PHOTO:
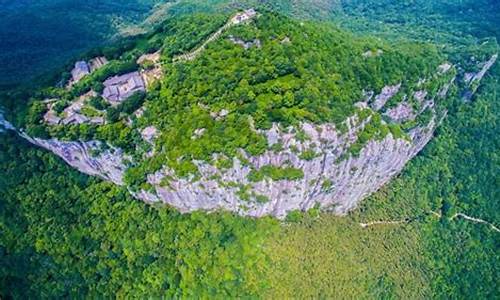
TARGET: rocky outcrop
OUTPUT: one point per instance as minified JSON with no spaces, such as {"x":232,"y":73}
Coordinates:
{"x":401,"y":113}
{"x":472,"y":80}
{"x":486,"y":66}
{"x":93,"y":158}
{"x":4,"y":124}
{"x":332,"y":180}
{"x":87,"y":157}
{"x":387,"y":93}
{"x":246,"y":45}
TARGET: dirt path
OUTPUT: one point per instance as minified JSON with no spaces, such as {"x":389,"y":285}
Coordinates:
{"x":437,"y":214}
{"x":475,"y":220}
{"x":365,"y":225}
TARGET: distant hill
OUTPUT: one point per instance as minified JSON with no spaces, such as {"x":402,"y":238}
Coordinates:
{"x":39,"y":35}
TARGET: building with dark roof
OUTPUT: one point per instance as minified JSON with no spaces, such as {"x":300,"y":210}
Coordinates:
{"x":119,"y":88}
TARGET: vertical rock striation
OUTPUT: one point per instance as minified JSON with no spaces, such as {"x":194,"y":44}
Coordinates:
{"x":330,"y":181}
{"x":87,"y":157}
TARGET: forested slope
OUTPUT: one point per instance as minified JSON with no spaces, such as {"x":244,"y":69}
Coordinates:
{"x":68,"y":235}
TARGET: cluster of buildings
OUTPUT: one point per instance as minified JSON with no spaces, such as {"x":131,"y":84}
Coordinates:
{"x":244,"y":16}
{"x":119,"y":88}
{"x":73,"y":113}
{"x":116,"y":89}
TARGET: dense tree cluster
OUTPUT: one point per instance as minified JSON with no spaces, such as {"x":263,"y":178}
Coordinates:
{"x":67,"y":235}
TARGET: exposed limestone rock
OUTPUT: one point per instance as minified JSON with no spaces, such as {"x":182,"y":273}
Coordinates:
{"x":444,"y":68}
{"x":149,"y":133}
{"x":473,"y":79}
{"x":108,"y":164}
{"x":198,"y":133}
{"x":487,"y":65}
{"x":4,"y":124}
{"x":219,"y":115}
{"x":445,"y":89}
{"x":333,"y":178}
{"x":373,"y":53}
{"x":402,"y":112}
{"x":468,"y":77}
{"x":286,"y":41}
{"x":245,"y":44}
{"x":387,"y":93}
{"x":420,"y":95}
{"x":351,"y":179}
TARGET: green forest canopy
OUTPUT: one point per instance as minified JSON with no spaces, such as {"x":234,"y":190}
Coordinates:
{"x":65,"y":234}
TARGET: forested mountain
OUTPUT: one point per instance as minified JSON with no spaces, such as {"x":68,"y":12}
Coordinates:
{"x":269,"y":97}
{"x":36,"y":36}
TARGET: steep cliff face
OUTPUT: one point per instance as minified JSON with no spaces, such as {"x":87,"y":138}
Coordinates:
{"x":331,"y":181}
{"x":331,"y":177}
{"x":92,"y":158}
{"x":87,"y":157}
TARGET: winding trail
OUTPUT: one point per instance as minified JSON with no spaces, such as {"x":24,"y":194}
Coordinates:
{"x":193,"y":54}
{"x":475,"y":220}
{"x":437,"y":214}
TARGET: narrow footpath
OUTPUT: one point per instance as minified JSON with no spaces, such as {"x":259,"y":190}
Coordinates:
{"x":437,"y":214}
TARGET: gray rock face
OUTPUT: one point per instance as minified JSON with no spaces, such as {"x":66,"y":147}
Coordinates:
{"x":400,"y":113}
{"x":330,"y":182}
{"x":486,"y":66}
{"x":472,"y":80}
{"x":333,"y":179}
{"x":387,"y":93}
{"x":4,"y":124}
{"x":87,"y":157}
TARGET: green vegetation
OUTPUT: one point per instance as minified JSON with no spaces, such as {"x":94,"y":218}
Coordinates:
{"x":427,"y":258}
{"x":278,"y":82}
{"x":98,"y":103}
{"x":376,"y":130}
{"x":275,"y":173}
{"x":308,"y":155}
{"x":66,"y":235}
{"x":281,"y":81}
